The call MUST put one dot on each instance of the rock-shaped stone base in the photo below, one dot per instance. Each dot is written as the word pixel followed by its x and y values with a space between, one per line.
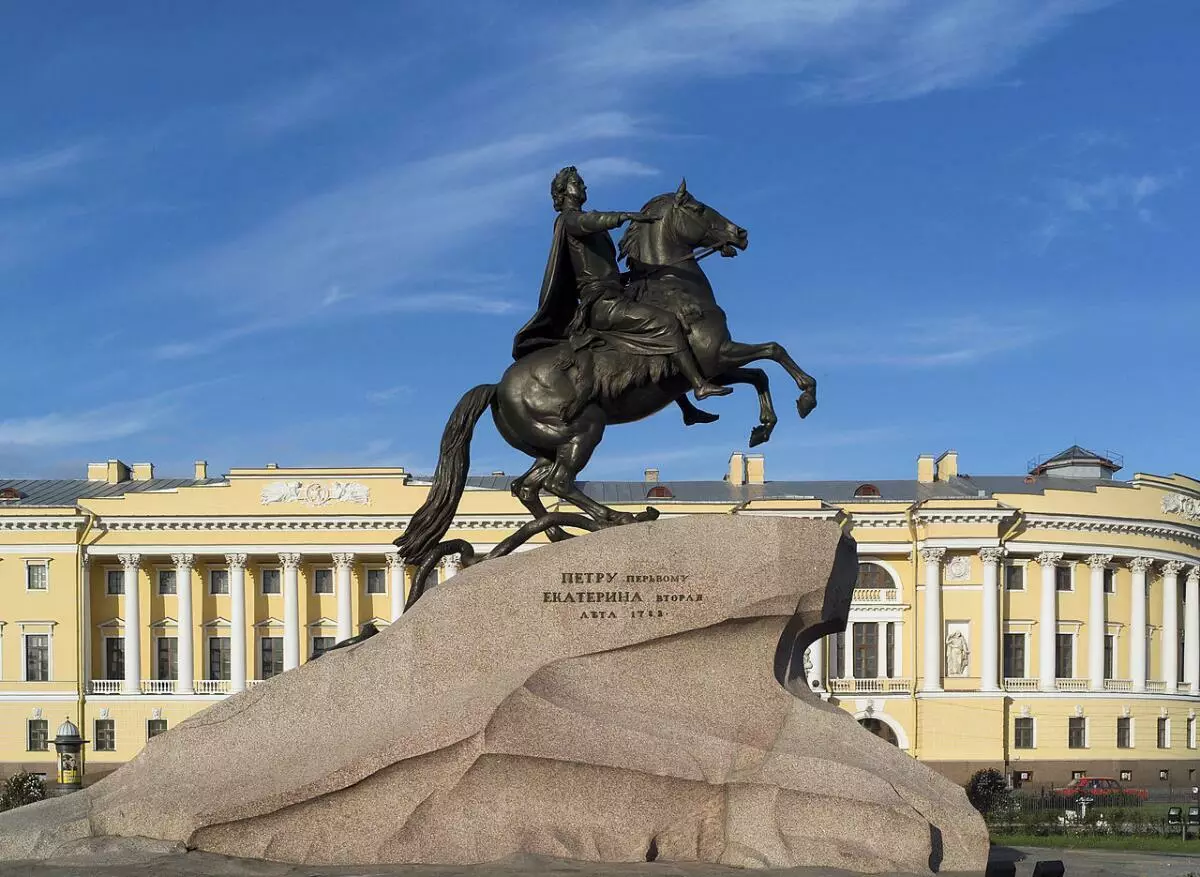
pixel 614 697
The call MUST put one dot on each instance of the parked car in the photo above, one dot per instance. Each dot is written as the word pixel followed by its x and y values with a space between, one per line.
pixel 1102 790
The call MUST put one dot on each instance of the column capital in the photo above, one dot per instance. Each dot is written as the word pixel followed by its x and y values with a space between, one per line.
pixel 993 555
pixel 133 561
pixel 1141 564
pixel 1193 573
pixel 343 559
pixel 1099 561
pixel 1173 567
pixel 290 560
pixel 1050 558
pixel 394 560
pixel 236 561
pixel 183 561
pixel 933 555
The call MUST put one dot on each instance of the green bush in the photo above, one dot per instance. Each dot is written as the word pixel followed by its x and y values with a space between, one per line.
pixel 988 792
pixel 21 789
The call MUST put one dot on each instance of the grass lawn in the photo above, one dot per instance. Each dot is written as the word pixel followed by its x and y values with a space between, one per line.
pixel 1101 842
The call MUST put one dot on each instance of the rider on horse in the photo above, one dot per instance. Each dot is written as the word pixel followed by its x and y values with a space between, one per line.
pixel 582 291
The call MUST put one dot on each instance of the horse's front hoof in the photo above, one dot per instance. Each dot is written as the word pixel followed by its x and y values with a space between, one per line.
pixel 806 403
pixel 650 514
pixel 760 434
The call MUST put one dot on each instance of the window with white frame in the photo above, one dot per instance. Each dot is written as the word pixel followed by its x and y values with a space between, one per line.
pixel 154 727
pixel 37 575
pixel 114 657
pixel 1191 732
pixel 167 657
pixel 219 657
pixel 1014 656
pixel 37 657
pixel 271 579
pixel 1023 732
pixel 218 581
pixel 321 644
pixel 1125 733
pixel 1110 656
pixel 1014 577
pixel 1064 577
pixel 1164 733
pixel 105 735
pixel 1077 732
pixel 167 582
pixel 377 580
pixel 37 735
pixel 114 582
pixel 1064 655
pixel 270 656
pixel 323 581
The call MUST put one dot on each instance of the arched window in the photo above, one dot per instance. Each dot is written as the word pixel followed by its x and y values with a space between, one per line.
pixel 872 575
pixel 864 490
pixel 9 493
pixel 660 491
pixel 880 729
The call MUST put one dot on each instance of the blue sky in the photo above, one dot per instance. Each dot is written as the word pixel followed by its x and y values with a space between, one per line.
pixel 297 232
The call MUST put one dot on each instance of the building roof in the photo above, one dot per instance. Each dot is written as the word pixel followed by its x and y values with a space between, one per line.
pixel 68 491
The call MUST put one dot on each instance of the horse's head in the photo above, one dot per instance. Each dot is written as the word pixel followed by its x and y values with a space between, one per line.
pixel 684 224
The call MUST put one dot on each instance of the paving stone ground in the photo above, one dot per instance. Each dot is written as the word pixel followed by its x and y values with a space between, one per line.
pixel 113 862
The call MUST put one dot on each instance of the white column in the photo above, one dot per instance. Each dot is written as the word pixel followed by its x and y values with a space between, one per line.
pixel 1137 622
pixel 396 584
pixel 816 655
pixel 342 564
pixel 237 621
pixel 291 610
pixel 989 664
pixel 881 649
pixel 186 671
pixel 1098 563
pixel 1191 630
pixel 932 661
pixel 1048 620
pixel 133 625
pixel 1170 645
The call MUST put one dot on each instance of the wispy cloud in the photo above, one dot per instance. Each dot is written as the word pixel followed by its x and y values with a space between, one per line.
pixel 102 423
pixel 1075 205
pixel 388 394
pixel 21 174
pixel 932 343
pixel 300 105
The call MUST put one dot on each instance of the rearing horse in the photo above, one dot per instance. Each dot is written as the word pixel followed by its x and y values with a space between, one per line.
pixel 555 403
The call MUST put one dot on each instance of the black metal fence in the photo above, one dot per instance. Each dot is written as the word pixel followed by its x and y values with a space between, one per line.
pixel 1050 813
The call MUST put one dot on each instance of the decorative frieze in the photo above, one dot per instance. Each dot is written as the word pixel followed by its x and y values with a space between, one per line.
pixel 1184 506
pixel 316 493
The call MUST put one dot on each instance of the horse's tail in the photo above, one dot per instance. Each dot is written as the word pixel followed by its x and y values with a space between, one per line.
pixel 431 521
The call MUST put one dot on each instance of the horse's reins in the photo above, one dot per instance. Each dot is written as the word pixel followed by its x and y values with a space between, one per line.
pixel 646 270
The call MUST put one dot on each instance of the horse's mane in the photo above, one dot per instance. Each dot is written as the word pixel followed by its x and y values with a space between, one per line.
pixel 633 241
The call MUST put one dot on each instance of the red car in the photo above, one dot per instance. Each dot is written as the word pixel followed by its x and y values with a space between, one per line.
pixel 1100 788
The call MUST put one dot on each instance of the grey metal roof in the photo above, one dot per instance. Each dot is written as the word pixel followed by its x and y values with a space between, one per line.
pixel 68 491
pixel 906 490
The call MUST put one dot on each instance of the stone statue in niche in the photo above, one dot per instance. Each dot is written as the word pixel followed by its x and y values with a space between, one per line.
pixel 958 654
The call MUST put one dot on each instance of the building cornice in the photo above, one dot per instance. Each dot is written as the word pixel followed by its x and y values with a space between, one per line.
pixel 1121 526
pixel 24 522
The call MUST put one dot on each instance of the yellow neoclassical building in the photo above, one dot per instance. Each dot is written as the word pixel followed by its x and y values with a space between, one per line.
pixel 1045 623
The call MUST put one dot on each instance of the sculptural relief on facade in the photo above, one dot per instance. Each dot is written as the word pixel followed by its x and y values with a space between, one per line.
pixel 958 569
pixel 1178 504
pixel 958 650
pixel 315 493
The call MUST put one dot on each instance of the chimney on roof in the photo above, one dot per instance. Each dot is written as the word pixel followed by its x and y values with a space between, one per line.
pixel 110 472
pixel 947 466
pixel 737 469
pixel 142 471
pixel 650 475
pixel 201 470
pixel 272 465
pixel 925 469
pixel 497 473
pixel 756 469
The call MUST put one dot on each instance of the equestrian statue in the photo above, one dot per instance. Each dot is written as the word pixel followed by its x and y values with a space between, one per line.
pixel 604 347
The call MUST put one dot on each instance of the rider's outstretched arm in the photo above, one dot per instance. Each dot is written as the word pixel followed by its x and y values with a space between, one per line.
pixel 590 221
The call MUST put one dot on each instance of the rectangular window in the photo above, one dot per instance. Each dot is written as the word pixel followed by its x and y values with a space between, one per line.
pixel 1064 656
pixel 866 650
pixel 114 582
pixel 1126 776
pixel 166 581
pixel 1164 733
pixel 1110 581
pixel 1076 732
pixel 1125 733
pixel 1062 578
pixel 37 657
pixel 1014 577
pixel 37 576
pixel 1078 774
pixel 1191 733
pixel 891 650
pixel 154 727
pixel 168 657
pixel 272 581
pixel 38 736
pixel 377 581
pixel 271 656
pixel 218 657
pixel 322 581
pixel 1014 656
pixel 1023 733
pixel 321 644
pixel 1110 656
pixel 218 581
pixel 114 657
pixel 106 735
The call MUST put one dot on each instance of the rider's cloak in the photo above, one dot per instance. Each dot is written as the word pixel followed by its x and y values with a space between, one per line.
pixel 557 302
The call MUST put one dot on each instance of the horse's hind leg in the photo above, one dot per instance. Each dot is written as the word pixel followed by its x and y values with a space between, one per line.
pixel 528 488
pixel 736 353
pixel 572 456
pixel 758 379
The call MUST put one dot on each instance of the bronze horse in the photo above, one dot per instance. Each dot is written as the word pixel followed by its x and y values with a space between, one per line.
pixel 555 403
